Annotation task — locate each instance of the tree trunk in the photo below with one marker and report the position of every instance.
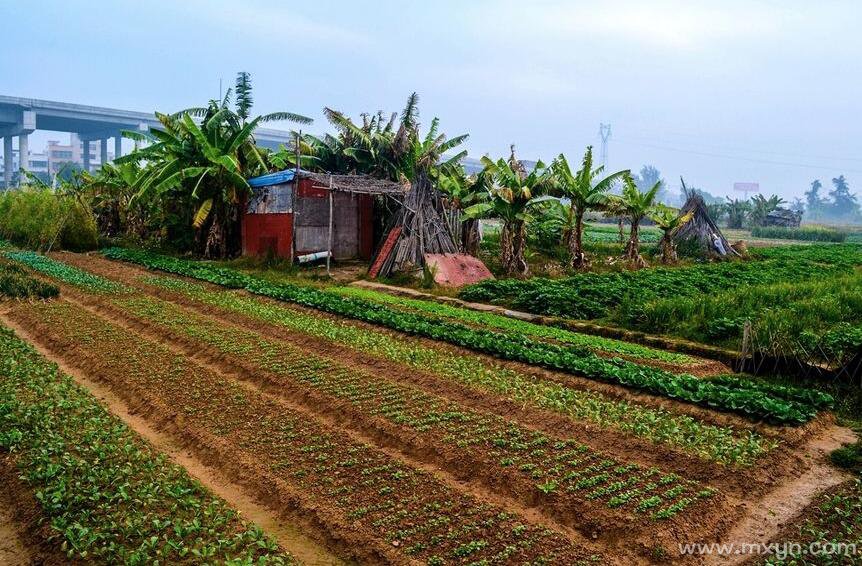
(506, 248)
(577, 257)
(632, 252)
(519, 243)
(470, 237)
(622, 231)
(216, 244)
(668, 249)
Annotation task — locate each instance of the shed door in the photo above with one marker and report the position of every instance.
(312, 225)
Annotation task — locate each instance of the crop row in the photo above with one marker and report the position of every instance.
(596, 295)
(15, 282)
(683, 432)
(554, 465)
(64, 272)
(107, 496)
(384, 505)
(496, 321)
(507, 345)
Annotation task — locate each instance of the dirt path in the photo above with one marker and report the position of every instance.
(762, 520)
(288, 535)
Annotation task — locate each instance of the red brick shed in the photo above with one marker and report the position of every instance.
(293, 215)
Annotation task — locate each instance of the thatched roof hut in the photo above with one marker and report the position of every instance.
(701, 232)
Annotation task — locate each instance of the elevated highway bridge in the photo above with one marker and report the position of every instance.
(19, 117)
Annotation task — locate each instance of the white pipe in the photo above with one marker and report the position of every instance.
(313, 256)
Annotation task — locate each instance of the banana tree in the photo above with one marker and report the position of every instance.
(669, 221)
(637, 205)
(585, 189)
(513, 193)
(203, 170)
(462, 192)
(762, 206)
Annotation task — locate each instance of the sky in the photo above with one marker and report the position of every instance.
(716, 92)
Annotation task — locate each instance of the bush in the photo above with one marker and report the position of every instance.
(34, 218)
(805, 233)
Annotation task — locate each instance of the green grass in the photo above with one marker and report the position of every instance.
(106, 495)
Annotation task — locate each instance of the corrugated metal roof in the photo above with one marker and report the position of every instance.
(276, 178)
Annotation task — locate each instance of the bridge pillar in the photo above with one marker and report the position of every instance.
(103, 156)
(23, 155)
(7, 162)
(118, 145)
(86, 147)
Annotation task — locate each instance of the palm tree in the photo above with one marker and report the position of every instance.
(762, 206)
(201, 170)
(462, 192)
(615, 207)
(389, 148)
(238, 116)
(637, 204)
(513, 193)
(586, 189)
(737, 211)
(111, 191)
(669, 221)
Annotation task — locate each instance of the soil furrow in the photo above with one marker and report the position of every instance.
(183, 423)
(283, 529)
(632, 447)
(474, 463)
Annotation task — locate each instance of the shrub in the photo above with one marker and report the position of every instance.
(804, 233)
(34, 218)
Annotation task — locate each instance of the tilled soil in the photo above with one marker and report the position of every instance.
(219, 433)
(380, 508)
(22, 537)
(466, 444)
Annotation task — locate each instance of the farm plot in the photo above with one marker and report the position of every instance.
(706, 434)
(101, 492)
(383, 508)
(400, 448)
(780, 405)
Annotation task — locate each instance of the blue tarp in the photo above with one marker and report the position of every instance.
(276, 178)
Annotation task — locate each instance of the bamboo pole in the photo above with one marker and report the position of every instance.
(294, 206)
(329, 257)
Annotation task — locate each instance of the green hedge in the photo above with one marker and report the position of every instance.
(804, 233)
(777, 406)
(106, 494)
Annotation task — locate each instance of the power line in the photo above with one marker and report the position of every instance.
(740, 158)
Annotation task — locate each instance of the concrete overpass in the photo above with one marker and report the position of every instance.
(22, 116)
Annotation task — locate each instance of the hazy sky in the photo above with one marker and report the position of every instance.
(715, 91)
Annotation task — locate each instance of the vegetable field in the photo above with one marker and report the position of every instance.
(386, 430)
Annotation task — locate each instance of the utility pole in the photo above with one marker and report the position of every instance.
(605, 134)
